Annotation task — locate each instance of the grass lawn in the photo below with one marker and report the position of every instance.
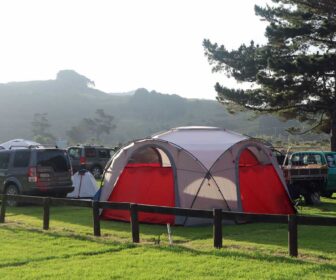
(69, 251)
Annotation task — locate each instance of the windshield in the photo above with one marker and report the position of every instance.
(307, 159)
(57, 159)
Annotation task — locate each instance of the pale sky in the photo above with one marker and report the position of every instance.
(124, 45)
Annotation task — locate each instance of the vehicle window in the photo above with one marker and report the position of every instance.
(56, 159)
(21, 158)
(104, 153)
(90, 152)
(331, 160)
(318, 159)
(306, 159)
(297, 159)
(4, 160)
(74, 153)
(312, 159)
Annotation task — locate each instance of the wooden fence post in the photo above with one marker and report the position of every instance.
(3, 208)
(217, 228)
(46, 212)
(96, 221)
(134, 223)
(292, 236)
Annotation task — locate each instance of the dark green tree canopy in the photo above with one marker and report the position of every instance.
(92, 129)
(294, 74)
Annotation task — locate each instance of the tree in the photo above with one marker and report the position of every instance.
(102, 124)
(92, 128)
(78, 133)
(40, 128)
(294, 74)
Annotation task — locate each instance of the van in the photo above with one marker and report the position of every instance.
(92, 158)
(35, 171)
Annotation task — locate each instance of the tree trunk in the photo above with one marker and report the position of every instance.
(333, 132)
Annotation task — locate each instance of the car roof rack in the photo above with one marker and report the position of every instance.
(13, 147)
(89, 146)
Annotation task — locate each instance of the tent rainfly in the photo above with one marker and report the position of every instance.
(197, 168)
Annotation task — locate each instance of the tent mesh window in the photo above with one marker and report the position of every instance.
(149, 156)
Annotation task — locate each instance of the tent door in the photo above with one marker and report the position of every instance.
(144, 184)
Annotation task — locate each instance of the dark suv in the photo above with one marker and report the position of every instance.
(92, 158)
(35, 171)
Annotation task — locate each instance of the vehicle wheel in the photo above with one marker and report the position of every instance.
(313, 198)
(13, 190)
(96, 172)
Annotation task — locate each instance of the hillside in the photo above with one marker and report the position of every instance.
(71, 97)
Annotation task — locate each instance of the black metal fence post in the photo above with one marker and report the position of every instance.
(217, 228)
(96, 221)
(46, 212)
(3, 208)
(292, 236)
(134, 223)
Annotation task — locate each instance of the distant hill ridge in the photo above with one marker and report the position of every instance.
(71, 97)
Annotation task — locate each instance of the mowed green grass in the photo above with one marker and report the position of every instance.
(69, 251)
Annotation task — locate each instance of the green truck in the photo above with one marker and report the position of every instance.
(310, 174)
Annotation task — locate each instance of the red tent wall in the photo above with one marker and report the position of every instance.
(261, 190)
(144, 184)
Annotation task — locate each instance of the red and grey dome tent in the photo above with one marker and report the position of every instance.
(198, 168)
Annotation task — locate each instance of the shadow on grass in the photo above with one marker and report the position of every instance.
(176, 249)
(325, 206)
(83, 217)
(310, 237)
(318, 266)
(117, 247)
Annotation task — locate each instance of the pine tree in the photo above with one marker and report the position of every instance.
(294, 74)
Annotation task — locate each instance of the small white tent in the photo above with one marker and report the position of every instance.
(19, 143)
(197, 168)
(85, 185)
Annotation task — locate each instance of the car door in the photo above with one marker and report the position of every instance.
(331, 161)
(20, 167)
(4, 163)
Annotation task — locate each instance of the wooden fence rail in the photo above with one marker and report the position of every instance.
(217, 215)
